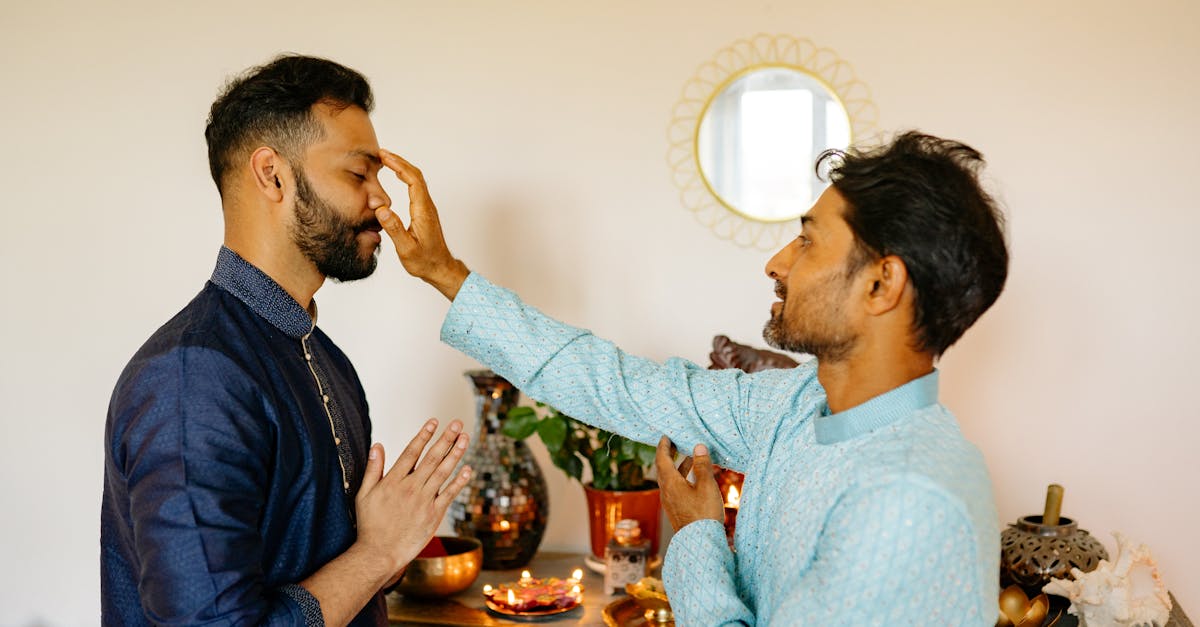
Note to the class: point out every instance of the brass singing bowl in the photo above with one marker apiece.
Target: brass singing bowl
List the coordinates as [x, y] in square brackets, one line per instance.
[444, 576]
[1017, 610]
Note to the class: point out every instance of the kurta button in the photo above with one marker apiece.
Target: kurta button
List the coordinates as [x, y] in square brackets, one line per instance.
[346, 485]
[307, 357]
[325, 397]
[337, 440]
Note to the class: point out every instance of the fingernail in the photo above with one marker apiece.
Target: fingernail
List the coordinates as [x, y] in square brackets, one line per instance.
[701, 450]
[383, 213]
[374, 452]
[456, 426]
[462, 441]
[466, 472]
[431, 425]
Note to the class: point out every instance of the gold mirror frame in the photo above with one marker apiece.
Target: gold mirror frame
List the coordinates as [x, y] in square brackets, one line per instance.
[729, 64]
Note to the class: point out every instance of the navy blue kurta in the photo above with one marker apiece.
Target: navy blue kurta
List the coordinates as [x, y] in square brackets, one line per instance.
[235, 443]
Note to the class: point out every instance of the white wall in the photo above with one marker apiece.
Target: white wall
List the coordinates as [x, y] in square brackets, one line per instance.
[542, 129]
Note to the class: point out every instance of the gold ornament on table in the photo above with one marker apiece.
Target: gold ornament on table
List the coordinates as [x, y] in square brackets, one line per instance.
[1124, 593]
[649, 593]
[645, 606]
[1018, 610]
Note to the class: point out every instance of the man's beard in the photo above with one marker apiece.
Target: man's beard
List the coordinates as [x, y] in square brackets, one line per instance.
[820, 328]
[327, 239]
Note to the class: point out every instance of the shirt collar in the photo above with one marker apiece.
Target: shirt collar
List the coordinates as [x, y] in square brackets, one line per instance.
[262, 294]
[879, 411]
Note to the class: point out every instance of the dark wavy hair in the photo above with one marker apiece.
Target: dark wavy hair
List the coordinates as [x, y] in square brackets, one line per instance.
[271, 105]
[919, 198]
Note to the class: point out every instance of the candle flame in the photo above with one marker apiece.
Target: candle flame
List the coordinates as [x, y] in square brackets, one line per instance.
[505, 525]
[575, 591]
[487, 588]
[512, 599]
[734, 498]
[525, 575]
[577, 574]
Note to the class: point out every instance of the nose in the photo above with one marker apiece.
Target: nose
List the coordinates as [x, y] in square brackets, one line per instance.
[777, 266]
[378, 197]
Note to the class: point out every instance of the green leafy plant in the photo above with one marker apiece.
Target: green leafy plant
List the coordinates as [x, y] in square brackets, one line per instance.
[616, 462]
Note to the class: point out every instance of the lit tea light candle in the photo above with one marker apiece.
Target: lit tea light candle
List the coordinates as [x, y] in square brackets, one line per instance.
[576, 576]
[526, 577]
[487, 588]
[733, 498]
[505, 525]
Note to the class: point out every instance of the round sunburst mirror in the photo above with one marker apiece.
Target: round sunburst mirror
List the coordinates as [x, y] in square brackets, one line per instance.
[749, 128]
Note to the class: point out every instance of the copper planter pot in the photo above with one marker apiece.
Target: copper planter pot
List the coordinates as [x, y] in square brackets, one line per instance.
[606, 507]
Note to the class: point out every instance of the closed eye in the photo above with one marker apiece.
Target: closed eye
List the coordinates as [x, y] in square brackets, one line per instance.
[361, 177]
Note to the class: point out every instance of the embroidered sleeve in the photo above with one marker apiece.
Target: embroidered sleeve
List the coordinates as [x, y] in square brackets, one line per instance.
[592, 380]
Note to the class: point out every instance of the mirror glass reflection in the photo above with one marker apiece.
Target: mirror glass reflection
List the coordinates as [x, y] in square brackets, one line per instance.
[760, 136]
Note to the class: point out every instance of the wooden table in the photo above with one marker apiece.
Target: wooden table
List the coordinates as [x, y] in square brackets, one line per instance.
[466, 608]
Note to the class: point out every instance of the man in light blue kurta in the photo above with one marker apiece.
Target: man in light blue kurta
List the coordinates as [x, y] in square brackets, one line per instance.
[863, 503]
[884, 501]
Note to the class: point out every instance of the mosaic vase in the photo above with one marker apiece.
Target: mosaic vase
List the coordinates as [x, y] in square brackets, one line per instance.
[505, 505]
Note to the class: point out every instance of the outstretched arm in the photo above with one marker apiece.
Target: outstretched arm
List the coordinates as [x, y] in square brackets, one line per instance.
[582, 375]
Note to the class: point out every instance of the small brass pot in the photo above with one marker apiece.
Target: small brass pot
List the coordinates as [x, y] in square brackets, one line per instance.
[444, 576]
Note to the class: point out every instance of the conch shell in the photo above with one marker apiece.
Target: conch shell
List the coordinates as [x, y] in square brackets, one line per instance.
[1126, 592]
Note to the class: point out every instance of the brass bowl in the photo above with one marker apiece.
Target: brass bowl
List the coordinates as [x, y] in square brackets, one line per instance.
[443, 576]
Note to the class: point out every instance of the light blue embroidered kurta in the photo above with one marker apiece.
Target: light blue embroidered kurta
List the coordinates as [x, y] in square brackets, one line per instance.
[878, 515]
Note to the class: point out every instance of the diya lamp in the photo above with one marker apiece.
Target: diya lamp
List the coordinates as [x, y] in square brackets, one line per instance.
[534, 596]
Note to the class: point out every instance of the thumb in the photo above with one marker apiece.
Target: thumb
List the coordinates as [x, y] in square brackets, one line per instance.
[374, 471]
[702, 466]
[391, 223]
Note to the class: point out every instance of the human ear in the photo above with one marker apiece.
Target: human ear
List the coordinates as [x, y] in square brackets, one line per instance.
[269, 173]
[889, 278]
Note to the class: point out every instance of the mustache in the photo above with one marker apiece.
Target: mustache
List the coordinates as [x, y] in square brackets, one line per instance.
[369, 225]
[780, 290]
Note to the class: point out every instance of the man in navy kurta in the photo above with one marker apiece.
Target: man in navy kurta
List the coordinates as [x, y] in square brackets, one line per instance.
[240, 483]
[223, 483]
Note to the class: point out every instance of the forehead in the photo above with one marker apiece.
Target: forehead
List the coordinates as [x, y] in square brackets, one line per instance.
[827, 215]
[348, 133]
